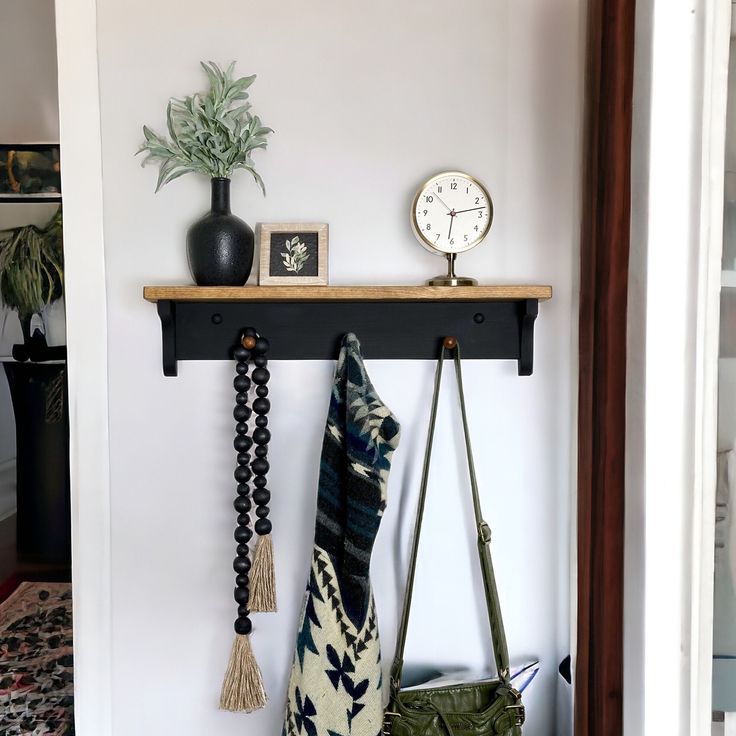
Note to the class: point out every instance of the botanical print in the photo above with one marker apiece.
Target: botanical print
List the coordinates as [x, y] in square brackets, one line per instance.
[295, 255]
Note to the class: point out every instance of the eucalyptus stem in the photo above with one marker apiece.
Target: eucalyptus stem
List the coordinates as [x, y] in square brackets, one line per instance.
[212, 133]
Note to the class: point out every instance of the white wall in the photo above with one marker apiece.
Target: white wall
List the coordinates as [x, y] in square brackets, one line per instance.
[367, 100]
[30, 109]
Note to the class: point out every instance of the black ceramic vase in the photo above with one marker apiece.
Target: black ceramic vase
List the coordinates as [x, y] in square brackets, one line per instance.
[220, 245]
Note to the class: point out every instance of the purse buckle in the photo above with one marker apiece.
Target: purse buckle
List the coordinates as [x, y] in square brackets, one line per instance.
[388, 723]
[484, 533]
[520, 715]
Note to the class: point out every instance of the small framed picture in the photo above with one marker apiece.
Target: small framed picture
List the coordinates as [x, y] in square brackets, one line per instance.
[30, 172]
[293, 253]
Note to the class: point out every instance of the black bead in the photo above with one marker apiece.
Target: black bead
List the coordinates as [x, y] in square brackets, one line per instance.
[261, 361]
[261, 451]
[260, 466]
[242, 428]
[262, 391]
[241, 565]
[261, 421]
[250, 332]
[241, 354]
[241, 399]
[241, 413]
[261, 436]
[261, 406]
[243, 626]
[261, 496]
[262, 512]
[262, 346]
[243, 458]
[263, 526]
[242, 443]
[241, 369]
[242, 504]
[243, 489]
[241, 383]
[242, 474]
[241, 595]
[242, 551]
[241, 580]
[243, 611]
[260, 376]
[260, 481]
[243, 520]
[243, 534]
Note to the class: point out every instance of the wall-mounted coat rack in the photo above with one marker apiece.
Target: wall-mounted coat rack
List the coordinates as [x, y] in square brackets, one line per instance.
[307, 322]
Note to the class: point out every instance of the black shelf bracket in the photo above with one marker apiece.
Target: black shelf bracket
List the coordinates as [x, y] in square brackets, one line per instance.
[312, 330]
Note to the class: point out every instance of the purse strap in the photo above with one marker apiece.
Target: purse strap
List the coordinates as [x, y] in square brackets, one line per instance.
[498, 635]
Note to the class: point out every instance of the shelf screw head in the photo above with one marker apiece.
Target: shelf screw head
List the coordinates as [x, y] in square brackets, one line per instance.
[450, 342]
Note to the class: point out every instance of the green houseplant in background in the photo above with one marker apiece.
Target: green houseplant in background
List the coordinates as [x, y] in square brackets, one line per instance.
[31, 269]
[214, 134]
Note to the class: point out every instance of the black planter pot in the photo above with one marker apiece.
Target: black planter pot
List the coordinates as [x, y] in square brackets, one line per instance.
[220, 245]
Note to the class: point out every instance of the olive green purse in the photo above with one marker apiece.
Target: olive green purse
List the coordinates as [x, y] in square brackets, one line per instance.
[483, 708]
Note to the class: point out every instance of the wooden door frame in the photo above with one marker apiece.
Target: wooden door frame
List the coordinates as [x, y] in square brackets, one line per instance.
[604, 264]
[656, 651]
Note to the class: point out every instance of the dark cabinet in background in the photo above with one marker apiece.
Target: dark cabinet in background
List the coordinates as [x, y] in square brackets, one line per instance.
[40, 404]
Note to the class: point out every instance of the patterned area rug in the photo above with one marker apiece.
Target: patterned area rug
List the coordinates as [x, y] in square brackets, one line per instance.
[36, 665]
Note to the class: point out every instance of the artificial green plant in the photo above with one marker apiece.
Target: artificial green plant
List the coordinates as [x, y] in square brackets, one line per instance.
[212, 133]
[31, 268]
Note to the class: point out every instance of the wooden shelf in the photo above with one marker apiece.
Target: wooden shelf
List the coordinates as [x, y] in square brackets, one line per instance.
[344, 293]
[308, 322]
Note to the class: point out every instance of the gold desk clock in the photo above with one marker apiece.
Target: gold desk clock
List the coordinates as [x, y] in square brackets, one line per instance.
[451, 213]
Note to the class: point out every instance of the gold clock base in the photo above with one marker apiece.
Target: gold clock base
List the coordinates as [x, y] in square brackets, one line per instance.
[446, 280]
[449, 278]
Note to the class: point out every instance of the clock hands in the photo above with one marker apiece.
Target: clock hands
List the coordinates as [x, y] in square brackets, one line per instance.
[472, 209]
[452, 219]
[442, 201]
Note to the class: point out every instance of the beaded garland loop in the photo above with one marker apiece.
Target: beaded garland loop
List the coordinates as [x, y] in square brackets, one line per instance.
[242, 688]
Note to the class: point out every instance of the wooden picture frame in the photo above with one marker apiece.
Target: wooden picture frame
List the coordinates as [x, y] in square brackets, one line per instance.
[293, 253]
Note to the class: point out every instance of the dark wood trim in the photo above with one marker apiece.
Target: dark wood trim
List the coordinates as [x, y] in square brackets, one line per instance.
[601, 421]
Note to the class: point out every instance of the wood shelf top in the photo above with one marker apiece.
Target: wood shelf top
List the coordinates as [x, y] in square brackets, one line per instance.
[344, 293]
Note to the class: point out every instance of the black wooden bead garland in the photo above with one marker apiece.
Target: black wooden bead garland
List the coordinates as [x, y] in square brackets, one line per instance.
[242, 689]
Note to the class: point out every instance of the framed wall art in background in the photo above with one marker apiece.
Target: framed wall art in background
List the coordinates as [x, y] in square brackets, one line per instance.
[30, 172]
[293, 254]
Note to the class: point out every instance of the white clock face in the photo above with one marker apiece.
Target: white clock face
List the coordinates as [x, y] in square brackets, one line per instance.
[451, 213]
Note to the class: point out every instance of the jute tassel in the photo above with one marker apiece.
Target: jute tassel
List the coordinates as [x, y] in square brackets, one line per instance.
[242, 688]
[262, 577]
